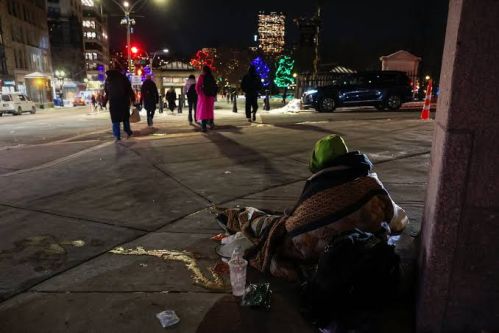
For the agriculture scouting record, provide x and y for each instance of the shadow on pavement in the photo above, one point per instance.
(305, 127)
(227, 146)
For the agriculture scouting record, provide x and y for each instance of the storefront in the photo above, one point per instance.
(174, 74)
(7, 85)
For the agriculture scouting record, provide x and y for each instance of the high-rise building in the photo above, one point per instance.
(271, 32)
(95, 42)
(306, 47)
(25, 62)
(66, 38)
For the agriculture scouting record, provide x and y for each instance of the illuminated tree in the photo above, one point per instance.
(204, 57)
(284, 76)
(263, 70)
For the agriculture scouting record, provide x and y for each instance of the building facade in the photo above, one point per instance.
(95, 43)
(25, 61)
(173, 75)
(271, 32)
(305, 48)
(66, 38)
(403, 61)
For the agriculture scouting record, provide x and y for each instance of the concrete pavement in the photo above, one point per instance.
(70, 195)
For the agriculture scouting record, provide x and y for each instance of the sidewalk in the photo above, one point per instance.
(59, 222)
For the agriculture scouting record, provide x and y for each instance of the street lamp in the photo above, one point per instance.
(60, 75)
(165, 51)
(127, 8)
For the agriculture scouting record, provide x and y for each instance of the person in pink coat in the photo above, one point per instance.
(206, 88)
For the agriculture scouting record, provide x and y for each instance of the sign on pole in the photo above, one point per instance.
(135, 80)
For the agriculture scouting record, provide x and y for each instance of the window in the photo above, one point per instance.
(22, 98)
(16, 58)
(9, 7)
(1, 32)
(88, 24)
(6, 98)
(89, 35)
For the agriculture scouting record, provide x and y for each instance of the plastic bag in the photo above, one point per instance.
(168, 318)
(258, 295)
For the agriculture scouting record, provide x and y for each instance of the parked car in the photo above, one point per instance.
(79, 101)
(16, 104)
(381, 89)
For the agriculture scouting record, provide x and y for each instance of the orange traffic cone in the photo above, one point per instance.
(425, 113)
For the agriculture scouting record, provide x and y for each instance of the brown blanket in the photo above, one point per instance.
(281, 242)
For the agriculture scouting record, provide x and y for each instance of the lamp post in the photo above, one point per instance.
(127, 8)
(60, 75)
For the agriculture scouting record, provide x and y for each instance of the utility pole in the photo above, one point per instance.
(128, 46)
(317, 35)
(127, 9)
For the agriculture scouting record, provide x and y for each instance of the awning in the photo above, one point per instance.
(69, 84)
(37, 75)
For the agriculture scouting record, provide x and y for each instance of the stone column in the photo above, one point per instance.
(459, 259)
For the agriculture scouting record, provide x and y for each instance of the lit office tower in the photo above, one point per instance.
(271, 31)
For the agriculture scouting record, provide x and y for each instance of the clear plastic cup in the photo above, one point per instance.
(238, 275)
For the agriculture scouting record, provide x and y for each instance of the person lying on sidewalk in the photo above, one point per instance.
(341, 195)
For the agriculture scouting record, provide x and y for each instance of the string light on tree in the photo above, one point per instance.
(203, 57)
(262, 69)
(284, 74)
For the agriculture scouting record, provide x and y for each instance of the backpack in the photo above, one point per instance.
(357, 270)
(210, 87)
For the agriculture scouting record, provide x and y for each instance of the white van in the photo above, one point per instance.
(16, 104)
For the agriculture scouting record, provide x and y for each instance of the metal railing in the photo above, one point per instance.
(308, 80)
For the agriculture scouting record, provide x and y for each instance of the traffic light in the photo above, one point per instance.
(134, 50)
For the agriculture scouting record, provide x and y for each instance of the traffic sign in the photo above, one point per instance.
(136, 80)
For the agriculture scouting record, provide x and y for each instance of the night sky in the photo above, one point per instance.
(355, 32)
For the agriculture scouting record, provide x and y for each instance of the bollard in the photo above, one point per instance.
(234, 105)
(266, 103)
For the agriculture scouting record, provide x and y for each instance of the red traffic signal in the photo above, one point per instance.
(134, 50)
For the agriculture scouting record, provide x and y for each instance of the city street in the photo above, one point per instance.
(70, 195)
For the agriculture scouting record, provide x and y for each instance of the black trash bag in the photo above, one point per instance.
(357, 271)
(258, 296)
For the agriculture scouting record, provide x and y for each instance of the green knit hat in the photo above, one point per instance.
(326, 150)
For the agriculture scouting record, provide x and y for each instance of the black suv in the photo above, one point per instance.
(381, 89)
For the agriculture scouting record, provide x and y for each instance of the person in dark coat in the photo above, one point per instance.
(171, 97)
(192, 96)
(161, 102)
(251, 85)
(120, 95)
(94, 103)
(149, 98)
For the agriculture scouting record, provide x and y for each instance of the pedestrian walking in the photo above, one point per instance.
(93, 101)
(149, 98)
(171, 97)
(99, 100)
(192, 96)
(161, 103)
(120, 96)
(251, 86)
(207, 89)
(181, 102)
